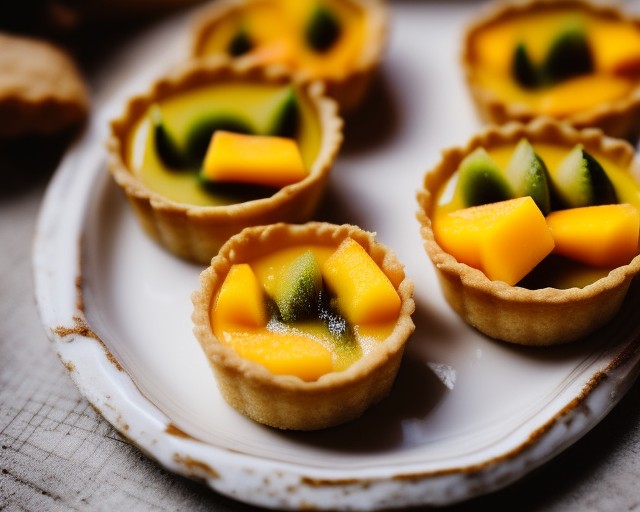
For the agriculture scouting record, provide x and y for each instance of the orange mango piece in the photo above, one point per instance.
(601, 236)
(505, 240)
(253, 159)
(240, 302)
(283, 353)
(365, 294)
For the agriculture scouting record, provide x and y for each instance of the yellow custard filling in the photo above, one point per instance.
(277, 31)
(614, 46)
(451, 220)
(255, 105)
(251, 312)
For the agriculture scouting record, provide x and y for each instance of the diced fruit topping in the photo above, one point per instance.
(364, 293)
(201, 130)
(284, 353)
(240, 44)
(505, 240)
(323, 29)
(573, 195)
(601, 236)
(581, 181)
(166, 147)
(480, 180)
(578, 180)
(278, 116)
(196, 141)
(287, 117)
(240, 302)
(523, 68)
(528, 176)
(297, 294)
(286, 312)
(252, 159)
(336, 324)
(570, 55)
(342, 341)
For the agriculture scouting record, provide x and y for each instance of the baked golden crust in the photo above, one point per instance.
(285, 401)
(41, 89)
(197, 232)
(619, 118)
(349, 88)
(529, 317)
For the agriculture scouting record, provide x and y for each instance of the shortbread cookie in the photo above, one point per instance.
(41, 89)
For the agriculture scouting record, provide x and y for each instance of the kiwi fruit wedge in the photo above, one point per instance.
(480, 180)
(580, 180)
(528, 176)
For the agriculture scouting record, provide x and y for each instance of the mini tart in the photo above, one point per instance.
(286, 401)
(196, 231)
(544, 316)
(346, 68)
(499, 98)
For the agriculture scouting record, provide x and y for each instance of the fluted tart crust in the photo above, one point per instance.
(287, 401)
(544, 316)
(196, 232)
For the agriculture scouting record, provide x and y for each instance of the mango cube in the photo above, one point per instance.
(240, 302)
(505, 240)
(601, 236)
(365, 294)
(253, 159)
(283, 353)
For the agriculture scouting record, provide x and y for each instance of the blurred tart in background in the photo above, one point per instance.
(340, 42)
(568, 59)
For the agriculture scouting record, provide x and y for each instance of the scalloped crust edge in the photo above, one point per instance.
(285, 401)
(196, 233)
(546, 316)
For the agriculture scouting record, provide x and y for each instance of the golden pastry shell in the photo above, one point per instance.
(285, 401)
(348, 89)
(197, 232)
(619, 118)
(529, 317)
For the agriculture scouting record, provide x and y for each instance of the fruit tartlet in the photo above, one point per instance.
(567, 59)
(220, 146)
(533, 230)
(304, 325)
(340, 42)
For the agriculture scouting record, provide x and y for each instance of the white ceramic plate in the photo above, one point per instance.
(467, 415)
